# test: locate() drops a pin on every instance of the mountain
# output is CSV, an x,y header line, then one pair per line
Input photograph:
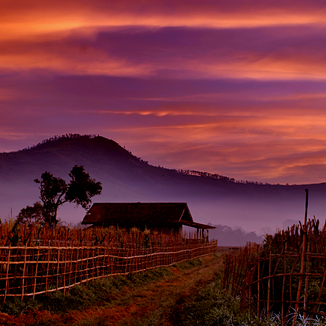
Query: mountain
x,y
127,178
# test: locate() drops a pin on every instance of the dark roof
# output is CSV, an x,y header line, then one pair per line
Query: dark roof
x,y
141,214
198,225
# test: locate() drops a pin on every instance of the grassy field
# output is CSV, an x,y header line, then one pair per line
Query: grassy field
x,y
188,293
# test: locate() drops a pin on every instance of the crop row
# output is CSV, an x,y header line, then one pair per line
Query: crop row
x,y
14,234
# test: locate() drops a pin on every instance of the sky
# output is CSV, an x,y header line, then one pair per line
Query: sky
x,y
236,88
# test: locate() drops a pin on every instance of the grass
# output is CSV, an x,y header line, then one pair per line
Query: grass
x,y
212,306
98,292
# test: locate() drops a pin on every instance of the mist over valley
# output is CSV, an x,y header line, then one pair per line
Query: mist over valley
x,y
242,211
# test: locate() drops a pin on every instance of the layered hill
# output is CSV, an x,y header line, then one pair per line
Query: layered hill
x,y
127,178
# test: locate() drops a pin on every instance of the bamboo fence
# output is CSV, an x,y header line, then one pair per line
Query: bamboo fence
x,y
285,275
33,270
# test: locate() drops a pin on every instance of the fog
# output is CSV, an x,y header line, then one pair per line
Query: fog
x,y
241,211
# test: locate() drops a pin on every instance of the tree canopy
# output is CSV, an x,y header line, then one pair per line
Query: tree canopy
x,y
31,214
81,187
54,191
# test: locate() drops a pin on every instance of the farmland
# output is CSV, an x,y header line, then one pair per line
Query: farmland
x,y
157,279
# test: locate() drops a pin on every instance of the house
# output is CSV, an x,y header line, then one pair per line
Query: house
x,y
164,217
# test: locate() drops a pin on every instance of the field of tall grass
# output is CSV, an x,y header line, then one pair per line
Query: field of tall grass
x,y
15,234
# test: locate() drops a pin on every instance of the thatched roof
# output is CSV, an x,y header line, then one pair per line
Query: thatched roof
x,y
141,215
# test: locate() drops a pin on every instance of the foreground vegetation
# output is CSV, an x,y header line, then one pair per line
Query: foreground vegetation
x,y
285,276
21,234
188,293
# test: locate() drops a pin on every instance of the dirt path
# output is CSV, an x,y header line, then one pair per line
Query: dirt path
x,y
150,304
155,303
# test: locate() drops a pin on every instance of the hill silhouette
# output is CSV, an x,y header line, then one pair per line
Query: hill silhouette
x,y
127,178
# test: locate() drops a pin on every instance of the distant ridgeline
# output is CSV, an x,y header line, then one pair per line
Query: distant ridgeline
x,y
217,176
56,138
205,174
181,171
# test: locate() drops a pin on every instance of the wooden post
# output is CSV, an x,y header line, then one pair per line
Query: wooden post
x,y
76,265
306,283
306,210
86,263
93,262
7,274
64,269
36,268
47,269
283,284
269,278
58,266
24,270
302,259
258,286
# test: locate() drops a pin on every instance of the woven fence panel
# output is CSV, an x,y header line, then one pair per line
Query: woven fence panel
x,y
29,271
286,275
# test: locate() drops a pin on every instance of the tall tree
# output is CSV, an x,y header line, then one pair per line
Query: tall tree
x,y
52,195
54,191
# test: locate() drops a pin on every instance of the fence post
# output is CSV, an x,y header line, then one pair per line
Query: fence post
x,y
36,268
258,285
7,273
24,270
64,269
269,278
47,269
58,267
302,258
283,284
76,265
306,284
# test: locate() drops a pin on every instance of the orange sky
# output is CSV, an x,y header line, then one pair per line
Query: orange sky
x,y
235,88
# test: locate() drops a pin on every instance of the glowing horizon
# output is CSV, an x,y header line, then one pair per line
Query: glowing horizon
x,y
232,88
